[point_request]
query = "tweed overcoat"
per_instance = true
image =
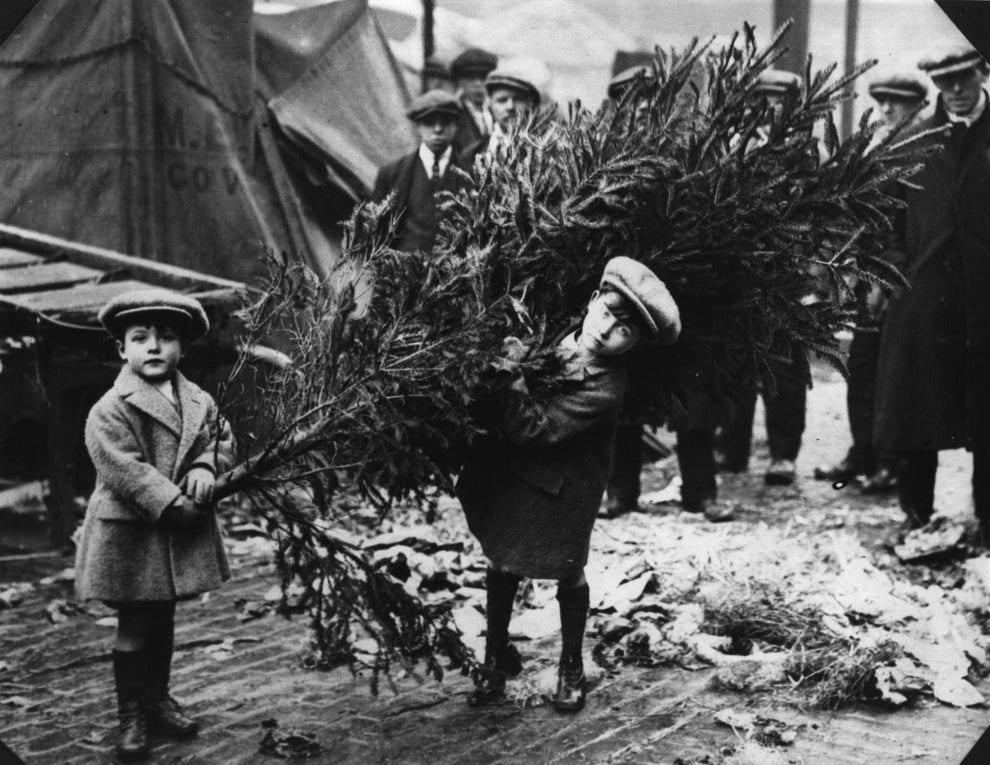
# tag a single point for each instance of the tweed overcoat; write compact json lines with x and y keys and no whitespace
{"x":934,"y":367}
{"x":531,"y":491}
{"x":141,"y":448}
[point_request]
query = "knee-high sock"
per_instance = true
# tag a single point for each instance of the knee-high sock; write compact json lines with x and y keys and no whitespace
{"x":501,"y":589}
{"x":160,"y":645}
{"x":574,"y":603}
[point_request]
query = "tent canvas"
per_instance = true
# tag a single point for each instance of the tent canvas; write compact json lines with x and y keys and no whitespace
{"x":138,"y":127}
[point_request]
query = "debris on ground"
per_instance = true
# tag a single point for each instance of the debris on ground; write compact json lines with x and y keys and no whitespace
{"x":942,"y":536}
{"x":288,"y":743}
{"x":13,"y":594}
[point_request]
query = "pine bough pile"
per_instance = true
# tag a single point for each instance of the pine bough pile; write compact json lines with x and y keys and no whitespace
{"x":731,"y":204}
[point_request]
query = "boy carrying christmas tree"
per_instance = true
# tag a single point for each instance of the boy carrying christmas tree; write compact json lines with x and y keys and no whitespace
{"x":531,"y":489}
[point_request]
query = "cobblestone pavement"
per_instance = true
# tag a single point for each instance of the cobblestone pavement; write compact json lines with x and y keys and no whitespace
{"x":56,"y":695}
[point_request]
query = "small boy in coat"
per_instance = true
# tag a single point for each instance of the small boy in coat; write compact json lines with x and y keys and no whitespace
{"x":531,"y":489}
{"x":150,"y":536}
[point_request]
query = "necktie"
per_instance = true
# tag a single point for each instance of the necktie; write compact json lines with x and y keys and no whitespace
{"x":435,"y":171}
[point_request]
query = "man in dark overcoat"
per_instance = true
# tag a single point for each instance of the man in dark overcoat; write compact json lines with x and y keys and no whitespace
{"x":935,"y":350}
{"x":469,"y":70}
{"x":898,"y":96}
{"x":420,"y":176}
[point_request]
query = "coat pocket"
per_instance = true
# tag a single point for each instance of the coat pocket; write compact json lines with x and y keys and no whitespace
{"x":539,"y":476}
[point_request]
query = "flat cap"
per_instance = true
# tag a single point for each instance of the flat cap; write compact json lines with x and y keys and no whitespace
{"x":643,"y":288}
{"x":513,"y":77}
{"x":432,"y":103}
{"x":947,"y":58}
{"x":618,"y":84}
{"x":155,"y":301}
{"x":901,"y":84}
{"x":434,"y":67}
{"x":776,"y":82}
{"x":473,"y":61}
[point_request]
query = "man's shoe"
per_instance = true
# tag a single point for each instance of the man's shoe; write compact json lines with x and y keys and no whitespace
{"x":843,"y":471}
{"x":719,"y":513}
{"x":616,"y":508}
{"x":571,"y":688}
{"x":166,"y":716}
{"x":780,"y":473}
{"x":882,"y":481}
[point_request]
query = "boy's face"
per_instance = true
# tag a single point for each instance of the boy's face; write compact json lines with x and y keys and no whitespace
{"x":437,"y":131}
{"x":894,"y":109}
{"x":151,"y":350}
{"x":961,"y":90}
{"x":603,"y":334}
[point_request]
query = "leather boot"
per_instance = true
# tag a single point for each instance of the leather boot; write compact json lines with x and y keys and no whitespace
{"x":571,"y":686}
{"x":128,"y":672}
{"x":165,"y":715}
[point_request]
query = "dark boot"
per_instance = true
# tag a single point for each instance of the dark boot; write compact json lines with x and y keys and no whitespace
{"x":502,"y":659}
{"x":571,"y":684}
{"x":128,"y":673}
{"x":165,"y":715}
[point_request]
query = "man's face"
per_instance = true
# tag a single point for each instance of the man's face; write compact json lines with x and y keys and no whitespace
{"x":437,"y":132}
{"x":894,"y":109}
{"x":960,"y":91}
{"x":508,"y":106}
{"x":473,"y":88}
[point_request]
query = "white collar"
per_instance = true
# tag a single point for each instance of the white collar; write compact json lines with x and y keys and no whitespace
{"x":426,"y":157}
{"x":973,"y":116}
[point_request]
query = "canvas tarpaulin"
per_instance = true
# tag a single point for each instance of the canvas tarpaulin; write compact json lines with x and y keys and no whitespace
{"x":335,"y":88}
{"x":137,"y":126}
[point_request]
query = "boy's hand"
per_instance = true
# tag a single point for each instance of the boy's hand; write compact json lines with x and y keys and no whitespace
{"x":513,"y":349}
{"x":198,"y":484}
{"x":183,"y":515}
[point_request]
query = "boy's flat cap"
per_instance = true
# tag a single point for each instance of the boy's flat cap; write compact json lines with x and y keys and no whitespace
{"x":473,"y":61}
{"x":906,"y":85}
{"x":431,"y":103}
{"x":777,"y":82}
{"x":155,"y":301}
{"x":947,"y":58}
{"x":516,"y":78}
{"x":644,"y":290}
{"x":627,"y":77}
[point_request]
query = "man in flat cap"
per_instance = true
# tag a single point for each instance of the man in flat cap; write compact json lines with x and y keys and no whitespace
{"x":436,"y":76}
{"x":786,"y":406}
{"x":418,"y":178}
{"x":511,"y":96}
{"x":935,"y":349}
{"x":469,"y":70}
{"x":898,"y":95}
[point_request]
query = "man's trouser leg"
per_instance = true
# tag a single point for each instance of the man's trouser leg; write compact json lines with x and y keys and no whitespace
{"x":696,"y":458}
{"x":981,"y":489}
{"x":785,"y":409}
{"x":627,"y":457}
{"x":864,"y":354}
{"x":736,"y":437}
{"x":916,"y":484}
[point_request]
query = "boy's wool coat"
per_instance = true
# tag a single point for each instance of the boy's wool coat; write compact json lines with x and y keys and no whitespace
{"x":532,"y":492}
{"x":141,"y":447}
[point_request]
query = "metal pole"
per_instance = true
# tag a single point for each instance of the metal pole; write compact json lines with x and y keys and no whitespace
{"x":796,"y":57}
{"x":852,"y":32}
{"x":428,"y":42}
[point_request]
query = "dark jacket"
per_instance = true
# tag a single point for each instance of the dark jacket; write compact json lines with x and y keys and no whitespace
{"x":531,"y":492}
{"x":141,"y":447}
{"x":468,"y":132}
{"x":468,"y":154}
{"x":404,"y":175}
{"x":934,"y":368}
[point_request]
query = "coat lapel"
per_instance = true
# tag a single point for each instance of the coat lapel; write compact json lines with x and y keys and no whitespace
{"x":141,"y":395}
{"x":193,"y":414}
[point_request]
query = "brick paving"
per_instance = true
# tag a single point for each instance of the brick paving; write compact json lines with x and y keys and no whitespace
{"x":56,"y":696}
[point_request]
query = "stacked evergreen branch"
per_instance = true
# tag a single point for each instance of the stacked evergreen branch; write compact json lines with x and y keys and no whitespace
{"x":731,"y":205}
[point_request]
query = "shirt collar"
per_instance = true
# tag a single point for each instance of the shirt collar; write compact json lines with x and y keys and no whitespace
{"x":426,"y":157}
{"x":973,"y":116}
